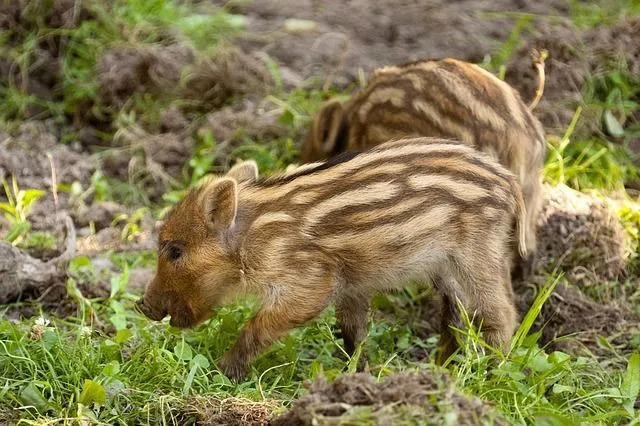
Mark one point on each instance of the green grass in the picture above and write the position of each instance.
(110, 365)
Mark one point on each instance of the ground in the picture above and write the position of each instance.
(110, 110)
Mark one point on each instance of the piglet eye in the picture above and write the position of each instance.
(174, 253)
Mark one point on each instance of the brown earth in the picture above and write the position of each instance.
(213, 411)
(346, 37)
(573, 56)
(400, 398)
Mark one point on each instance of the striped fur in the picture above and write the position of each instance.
(446, 98)
(421, 210)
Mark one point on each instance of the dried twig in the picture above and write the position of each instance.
(538, 60)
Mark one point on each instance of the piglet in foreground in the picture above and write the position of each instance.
(412, 210)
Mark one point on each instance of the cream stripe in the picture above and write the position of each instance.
(372, 193)
(406, 232)
(459, 188)
(509, 96)
(387, 94)
(335, 173)
(384, 212)
(461, 132)
(454, 85)
(271, 217)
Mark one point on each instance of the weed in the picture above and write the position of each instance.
(17, 209)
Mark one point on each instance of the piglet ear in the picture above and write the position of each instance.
(245, 171)
(220, 203)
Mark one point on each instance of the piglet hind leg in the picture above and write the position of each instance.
(270, 323)
(352, 311)
(495, 308)
(447, 344)
(487, 299)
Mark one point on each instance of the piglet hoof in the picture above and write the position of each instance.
(234, 370)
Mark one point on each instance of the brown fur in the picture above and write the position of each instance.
(425, 210)
(446, 98)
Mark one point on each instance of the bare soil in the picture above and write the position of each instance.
(574, 55)
(400, 398)
(346, 37)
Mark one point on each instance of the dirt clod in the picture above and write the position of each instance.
(101, 214)
(213, 81)
(125, 70)
(581, 235)
(428, 396)
(212, 411)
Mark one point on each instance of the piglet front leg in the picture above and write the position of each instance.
(268, 325)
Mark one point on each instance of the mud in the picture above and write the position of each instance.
(231, 72)
(35, 157)
(357, 399)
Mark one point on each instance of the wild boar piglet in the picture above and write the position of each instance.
(412, 210)
(444, 98)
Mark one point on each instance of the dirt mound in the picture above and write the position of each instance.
(573, 56)
(343, 37)
(128, 69)
(212, 81)
(426, 396)
(581, 235)
(212, 411)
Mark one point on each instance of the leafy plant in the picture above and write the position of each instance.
(17, 209)
(131, 229)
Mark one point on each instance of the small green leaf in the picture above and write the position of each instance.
(558, 357)
(111, 368)
(557, 388)
(49, 338)
(612, 124)
(201, 361)
(119, 282)
(540, 363)
(123, 335)
(183, 351)
(287, 118)
(32, 396)
(119, 321)
(631, 382)
(189, 380)
(92, 393)
(80, 262)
